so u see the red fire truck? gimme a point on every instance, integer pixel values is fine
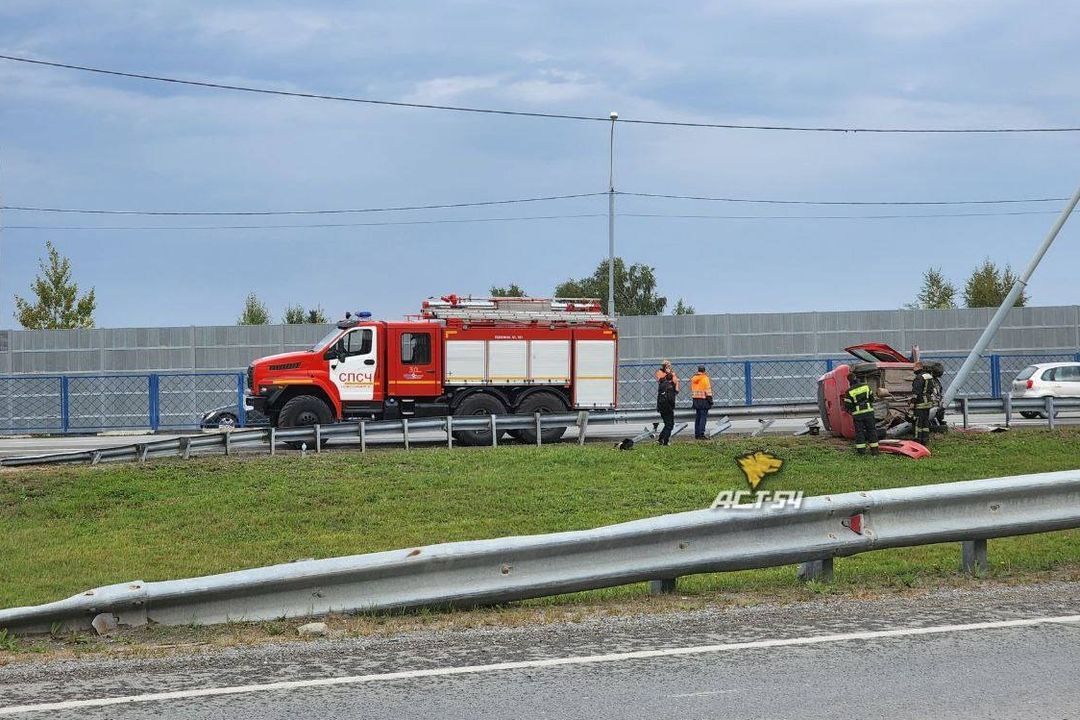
(459, 356)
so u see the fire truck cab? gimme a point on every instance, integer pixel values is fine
(459, 356)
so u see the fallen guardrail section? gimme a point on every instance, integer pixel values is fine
(402, 431)
(657, 549)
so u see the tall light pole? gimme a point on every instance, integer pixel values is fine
(1007, 303)
(611, 219)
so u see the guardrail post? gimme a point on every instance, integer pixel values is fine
(1048, 403)
(449, 432)
(1006, 402)
(583, 425)
(65, 405)
(663, 586)
(153, 388)
(539, 441)
(318, 438)
(241, 410)
(820, 570)
(405, 431)
(228, 443)
(748, 383)
(973, 557)
(185, 448)
(362, 432)
(995, 375)
(964, 410)
(494, 432)
(273, 440)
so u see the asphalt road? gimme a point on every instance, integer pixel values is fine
(14, 446)
(992, 653)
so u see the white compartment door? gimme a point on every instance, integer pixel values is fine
(465, 362)
(549, 362)
(507, 362)
(594, 373)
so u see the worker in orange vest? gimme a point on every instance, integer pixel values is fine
(701, 393)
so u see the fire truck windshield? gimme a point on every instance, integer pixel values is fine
(325, 341)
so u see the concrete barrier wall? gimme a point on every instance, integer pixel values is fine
(1035, 330)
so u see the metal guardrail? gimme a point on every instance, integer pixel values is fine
(360, 432)
(515, 568)
(400, 430)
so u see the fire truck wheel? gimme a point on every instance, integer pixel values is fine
(477, 404)
(542, 402)
(302, 411)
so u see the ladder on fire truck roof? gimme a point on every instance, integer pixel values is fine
(515, 309)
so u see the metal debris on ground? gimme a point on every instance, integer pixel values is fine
(763, 426)
(812, 427)
(722, 425)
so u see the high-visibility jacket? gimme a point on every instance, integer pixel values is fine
(700, 386)
(859, 399)
(674, 378)
(924, 387)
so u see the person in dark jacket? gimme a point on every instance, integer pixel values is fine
(666, 390)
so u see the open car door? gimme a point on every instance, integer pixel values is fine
(877, 352)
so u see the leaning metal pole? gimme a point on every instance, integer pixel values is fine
(611, 219)
(1006, 305)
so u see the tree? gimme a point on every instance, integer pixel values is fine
(294, 315)
(635, 289)
(988, 286)
(297, 315)
(682, 308)
(937, 293)
(512, 290)
(59, 305)
(255, 312)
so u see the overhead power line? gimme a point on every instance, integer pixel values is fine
(203, 228)
(893, 216)
(346, 211)
(525, 113)
(771, 201)
(300, 226)
(483, 203)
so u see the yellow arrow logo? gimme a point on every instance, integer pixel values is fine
(756, 465)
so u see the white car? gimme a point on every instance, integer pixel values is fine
(1059, 380)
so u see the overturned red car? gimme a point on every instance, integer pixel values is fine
(889, 373)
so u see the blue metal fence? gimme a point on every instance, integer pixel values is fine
(766, 382)
(178, 400)
(89, 403)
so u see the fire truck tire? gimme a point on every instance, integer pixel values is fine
(302, 411)
(542, 402)
(477, 404)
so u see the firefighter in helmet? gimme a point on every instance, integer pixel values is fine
(859, 401)
(701, 392)
(925, 387)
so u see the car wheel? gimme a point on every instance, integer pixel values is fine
(227, 421)
(1030, 414)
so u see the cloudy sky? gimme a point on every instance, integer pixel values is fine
(76, 140)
